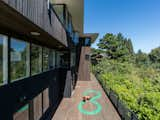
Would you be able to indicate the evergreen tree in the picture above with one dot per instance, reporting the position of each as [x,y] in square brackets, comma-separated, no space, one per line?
[141,58]
[130,46]
[155,55]
[116,46]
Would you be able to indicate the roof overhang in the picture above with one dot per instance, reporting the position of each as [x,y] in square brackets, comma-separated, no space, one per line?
[93,36]
[76,9]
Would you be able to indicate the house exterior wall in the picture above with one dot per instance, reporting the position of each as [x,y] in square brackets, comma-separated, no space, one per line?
[37,12]
[34,82]
[84,65]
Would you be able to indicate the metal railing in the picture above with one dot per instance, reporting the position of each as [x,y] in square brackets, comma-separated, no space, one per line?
[64,16]
[124,112]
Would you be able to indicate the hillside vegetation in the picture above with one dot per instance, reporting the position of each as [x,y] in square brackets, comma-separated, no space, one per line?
[135,77]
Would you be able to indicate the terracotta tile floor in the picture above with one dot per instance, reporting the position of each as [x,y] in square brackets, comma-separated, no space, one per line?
[68,109]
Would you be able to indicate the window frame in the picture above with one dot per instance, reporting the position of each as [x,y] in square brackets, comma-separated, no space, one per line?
[5,61]
[52,65]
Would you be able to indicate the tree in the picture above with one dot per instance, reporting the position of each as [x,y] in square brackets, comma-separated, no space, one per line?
[141,58]
[116,46]
[96,51]
[155,55]
[135,81]
[130,46]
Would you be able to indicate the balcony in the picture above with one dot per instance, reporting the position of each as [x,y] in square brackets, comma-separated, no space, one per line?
[26,16]
[65,17]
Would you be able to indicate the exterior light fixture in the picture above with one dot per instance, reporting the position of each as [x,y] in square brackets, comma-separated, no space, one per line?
[35,33]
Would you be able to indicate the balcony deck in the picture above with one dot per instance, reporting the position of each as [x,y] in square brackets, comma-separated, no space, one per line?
[72,108]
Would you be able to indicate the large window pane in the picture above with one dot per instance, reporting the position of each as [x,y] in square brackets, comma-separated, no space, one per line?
[87,42]
[36,59]
[3,60]
[51,59]
[76,38]
[45,59]
[70,27]
[58,59]
[62,59]
[19,59]
[73,59]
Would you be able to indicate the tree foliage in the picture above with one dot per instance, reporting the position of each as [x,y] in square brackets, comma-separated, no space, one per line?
[135,77]
[116,46]
[155,55]
[141,58]
[137,87]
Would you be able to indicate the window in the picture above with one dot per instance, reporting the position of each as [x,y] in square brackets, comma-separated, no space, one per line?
[45,59]
[54,59]
[66,18]
[76,38]
[62,60]
[19,59]
[36,59]
[3,60]
[87,42]
[70,27]
[73,59]
[58,59]
[51,59]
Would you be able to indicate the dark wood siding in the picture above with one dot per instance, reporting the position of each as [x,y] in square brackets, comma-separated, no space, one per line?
[16,95]
[84,70]
[37,12]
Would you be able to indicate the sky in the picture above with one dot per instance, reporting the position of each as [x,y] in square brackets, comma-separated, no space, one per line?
[135,19]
